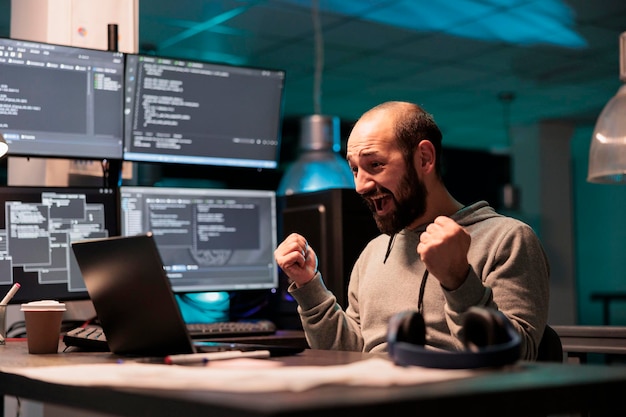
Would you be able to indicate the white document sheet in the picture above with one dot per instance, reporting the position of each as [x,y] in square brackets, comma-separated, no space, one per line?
[239,375]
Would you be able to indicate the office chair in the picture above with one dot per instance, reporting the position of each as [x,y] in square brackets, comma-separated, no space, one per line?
[550,347]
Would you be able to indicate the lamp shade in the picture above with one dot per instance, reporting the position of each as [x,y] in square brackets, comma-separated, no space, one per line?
[319,166]
[4,148]
[607,154]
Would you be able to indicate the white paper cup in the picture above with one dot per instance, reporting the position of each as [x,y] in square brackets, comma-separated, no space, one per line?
[43,325]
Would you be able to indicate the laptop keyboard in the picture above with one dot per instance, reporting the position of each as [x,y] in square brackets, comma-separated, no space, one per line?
[92,337]
[231,328]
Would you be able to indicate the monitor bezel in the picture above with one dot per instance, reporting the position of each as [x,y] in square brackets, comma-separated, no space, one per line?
[193,158]
[63,144]
[173,192]
[31,289]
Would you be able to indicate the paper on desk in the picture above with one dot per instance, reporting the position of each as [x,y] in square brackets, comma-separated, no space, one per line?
[248,377]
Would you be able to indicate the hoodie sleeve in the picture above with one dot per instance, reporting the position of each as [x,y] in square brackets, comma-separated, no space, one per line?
[510,272]
[326,324]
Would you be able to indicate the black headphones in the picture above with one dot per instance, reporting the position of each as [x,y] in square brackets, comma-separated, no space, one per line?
[489,338]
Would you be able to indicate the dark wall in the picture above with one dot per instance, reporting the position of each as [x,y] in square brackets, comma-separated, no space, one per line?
[476,175]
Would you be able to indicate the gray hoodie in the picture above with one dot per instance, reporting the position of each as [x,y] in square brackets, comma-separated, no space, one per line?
[509,272]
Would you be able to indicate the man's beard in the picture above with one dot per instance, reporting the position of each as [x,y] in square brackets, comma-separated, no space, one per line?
[409,204]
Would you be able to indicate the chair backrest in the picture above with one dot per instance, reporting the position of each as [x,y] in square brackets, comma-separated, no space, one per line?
[550,347]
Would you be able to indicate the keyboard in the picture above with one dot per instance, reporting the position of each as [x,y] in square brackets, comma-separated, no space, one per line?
[231,328]
[92,337]
[87,337]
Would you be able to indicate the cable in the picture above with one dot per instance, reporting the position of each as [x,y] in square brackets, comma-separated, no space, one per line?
[420,301]
[319,57]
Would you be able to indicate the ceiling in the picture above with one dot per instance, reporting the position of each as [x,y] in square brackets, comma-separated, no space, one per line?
[553,59]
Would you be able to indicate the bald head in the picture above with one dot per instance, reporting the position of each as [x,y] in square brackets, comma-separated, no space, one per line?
[408,124]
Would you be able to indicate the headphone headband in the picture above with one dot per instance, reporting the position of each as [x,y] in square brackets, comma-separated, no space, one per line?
[405,353]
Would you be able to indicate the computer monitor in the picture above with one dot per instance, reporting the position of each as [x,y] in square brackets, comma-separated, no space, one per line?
[209,239]
[61,101]
[192,112]
[37,225]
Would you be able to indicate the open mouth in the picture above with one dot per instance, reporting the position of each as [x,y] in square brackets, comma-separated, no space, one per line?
[382,204]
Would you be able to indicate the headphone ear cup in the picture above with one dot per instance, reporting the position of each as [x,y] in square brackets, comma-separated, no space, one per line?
[490,339]
[412,329]
[484,327]
[407,326]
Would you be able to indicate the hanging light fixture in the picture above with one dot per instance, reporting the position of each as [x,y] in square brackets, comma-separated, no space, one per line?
[509,193]
[319,165]
[607,154]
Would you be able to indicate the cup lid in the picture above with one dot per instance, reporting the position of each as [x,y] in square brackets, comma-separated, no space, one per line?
[43,305]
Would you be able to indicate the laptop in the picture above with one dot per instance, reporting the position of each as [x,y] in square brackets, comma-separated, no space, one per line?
[135,304]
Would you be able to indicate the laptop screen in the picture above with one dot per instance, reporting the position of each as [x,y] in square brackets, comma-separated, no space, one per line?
[134,301]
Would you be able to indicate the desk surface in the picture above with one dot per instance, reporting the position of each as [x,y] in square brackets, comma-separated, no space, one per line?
[593,339]
[524,389]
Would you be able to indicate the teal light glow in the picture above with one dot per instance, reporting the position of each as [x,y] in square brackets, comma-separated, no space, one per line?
[315,172]
[196,29]
[204,307]
[319,166]
[521,22]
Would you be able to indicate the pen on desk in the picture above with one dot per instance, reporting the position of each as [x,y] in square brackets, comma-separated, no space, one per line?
[214,356]
[10,294]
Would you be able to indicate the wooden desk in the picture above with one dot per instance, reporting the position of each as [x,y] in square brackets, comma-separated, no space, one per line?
[524,389]
[580,341]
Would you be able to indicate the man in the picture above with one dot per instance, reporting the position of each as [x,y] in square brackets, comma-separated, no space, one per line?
[435,254]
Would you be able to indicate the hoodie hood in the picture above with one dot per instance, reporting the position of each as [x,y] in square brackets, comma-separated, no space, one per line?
[474,213]
[469,215]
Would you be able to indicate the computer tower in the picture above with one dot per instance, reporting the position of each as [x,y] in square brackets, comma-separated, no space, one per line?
[338,225]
